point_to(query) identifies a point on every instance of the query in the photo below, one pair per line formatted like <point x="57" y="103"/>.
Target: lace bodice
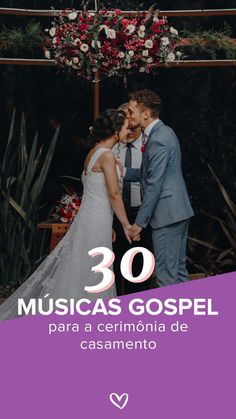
<point x="94" y="182"/>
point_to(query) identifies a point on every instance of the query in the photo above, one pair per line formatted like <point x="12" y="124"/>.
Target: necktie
<point x="127" y="185"/>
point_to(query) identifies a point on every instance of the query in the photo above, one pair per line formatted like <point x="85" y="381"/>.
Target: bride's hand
<point x="127" y="231"/>
<point x="136" y="238"/>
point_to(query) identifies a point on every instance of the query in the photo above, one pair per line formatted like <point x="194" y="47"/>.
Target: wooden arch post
<point x="96" y="94"/>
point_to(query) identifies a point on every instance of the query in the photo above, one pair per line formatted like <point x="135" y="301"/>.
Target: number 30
<point x="125" y="267"/>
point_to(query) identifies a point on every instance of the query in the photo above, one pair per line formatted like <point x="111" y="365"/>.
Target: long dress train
<point x="67" y="269"/>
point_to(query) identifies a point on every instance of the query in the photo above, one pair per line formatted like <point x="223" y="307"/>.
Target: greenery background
<point x="198" y="103"/>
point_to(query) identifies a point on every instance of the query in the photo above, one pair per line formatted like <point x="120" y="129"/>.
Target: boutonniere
<point x="144" y="143"/>
<point x="143" y="148"/>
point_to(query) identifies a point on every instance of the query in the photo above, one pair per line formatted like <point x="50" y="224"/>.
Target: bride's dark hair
<point x="107" y="124"/>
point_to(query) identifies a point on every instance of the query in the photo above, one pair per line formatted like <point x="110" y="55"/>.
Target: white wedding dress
<point x="67" y="269"/>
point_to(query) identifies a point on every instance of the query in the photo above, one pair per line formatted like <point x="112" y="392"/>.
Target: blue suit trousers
<point x="169" y="245"/>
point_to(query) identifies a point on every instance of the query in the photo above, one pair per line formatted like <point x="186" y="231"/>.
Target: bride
<point x="67" y="269"/>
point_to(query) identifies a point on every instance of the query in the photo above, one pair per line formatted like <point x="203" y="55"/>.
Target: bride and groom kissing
<point x="165" y="206"/>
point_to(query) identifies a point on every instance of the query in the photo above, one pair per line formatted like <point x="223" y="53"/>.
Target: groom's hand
<point x="135" y="232"/>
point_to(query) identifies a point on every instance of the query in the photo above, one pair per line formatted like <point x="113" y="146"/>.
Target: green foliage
<point x="210" y="44"/>
<point x="28" y="41"/>
<point x="17" y="41"/>
<point x="228" y="226"/>
<point x="22" y="176"/>
<point x="217" y="259"/>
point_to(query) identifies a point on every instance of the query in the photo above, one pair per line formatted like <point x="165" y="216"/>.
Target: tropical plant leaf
<point x="229" y="202"/>
<point x="204" y="243"/>
<point x="21" y="245"/>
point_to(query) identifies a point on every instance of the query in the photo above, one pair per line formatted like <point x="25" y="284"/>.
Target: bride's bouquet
<point x="66" y="208"/>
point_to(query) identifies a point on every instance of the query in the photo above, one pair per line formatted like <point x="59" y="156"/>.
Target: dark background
<point x="198" y="103"/>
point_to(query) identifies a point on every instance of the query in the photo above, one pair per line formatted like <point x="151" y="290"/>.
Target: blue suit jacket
<point x="165" y="199"/>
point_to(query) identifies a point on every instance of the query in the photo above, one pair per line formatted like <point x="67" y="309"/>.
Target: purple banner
<point x="165" y="353"/>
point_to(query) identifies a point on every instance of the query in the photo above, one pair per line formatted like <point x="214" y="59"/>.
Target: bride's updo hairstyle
<point x="106" y="125"/>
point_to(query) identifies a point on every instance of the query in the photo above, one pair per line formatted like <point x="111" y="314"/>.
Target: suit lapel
<point x="157" y="125"/>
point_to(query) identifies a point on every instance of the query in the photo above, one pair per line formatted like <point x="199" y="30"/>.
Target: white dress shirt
<point x="136" y="156"/>
<point x="150" y="127"/>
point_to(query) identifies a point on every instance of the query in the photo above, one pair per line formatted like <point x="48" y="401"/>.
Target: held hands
<point x="132" y="233"/>
<point x="127" y="230"/>
<point x="135" y="232"/>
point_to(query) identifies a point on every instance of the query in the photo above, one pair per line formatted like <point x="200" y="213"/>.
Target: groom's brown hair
<point x="148" y="99"/>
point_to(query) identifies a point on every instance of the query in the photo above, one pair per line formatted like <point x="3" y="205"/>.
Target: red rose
<point x="62" y="212"/>
<point x="83" y="27"/>
<point x="69" y="215"/>
<point x="125" y="22"/>
<point x="156" y="26"/>
<point x="118" y="12"/>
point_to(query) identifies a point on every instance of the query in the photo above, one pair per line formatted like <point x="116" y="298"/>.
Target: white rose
<point x="165" y="41"/>
<point x="145" y="53"/>
<point x="121" y="54"/>
<point x="150" y="60"/>
<point x="131" y="53"/>
<point x="84" y="47"/>
<point x="72" y="16"/>
<point x="173" y="31"/>
<point x="96" y="43"/>
<point x="54" y="41"/>
<point x="170" y="57"/>
<point x="105" y="27"/>
<point x="142" y="28"/>
<point x="91" y="14"/>
<point x="155" y="19"/>
<point x="128" y="66"/>
<point x="47" y="55"/>
<point x="142" y="70"/>
<point x="69" y="63"/>
<point x="111" y="34"/>
<point x="131" y="28"/>
<point x="52" y="31"/>
<point x="141" y="34"/>
<point x="77" y="40"/>
<point x="75" y="60"/>
<point x="179" y="54"/>
<point x="149" y="43"/>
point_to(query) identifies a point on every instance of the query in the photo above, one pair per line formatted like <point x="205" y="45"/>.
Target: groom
<point x="165" y="202"/>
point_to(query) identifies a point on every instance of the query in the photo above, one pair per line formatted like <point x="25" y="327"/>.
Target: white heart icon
<point x="119" y="401"/>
